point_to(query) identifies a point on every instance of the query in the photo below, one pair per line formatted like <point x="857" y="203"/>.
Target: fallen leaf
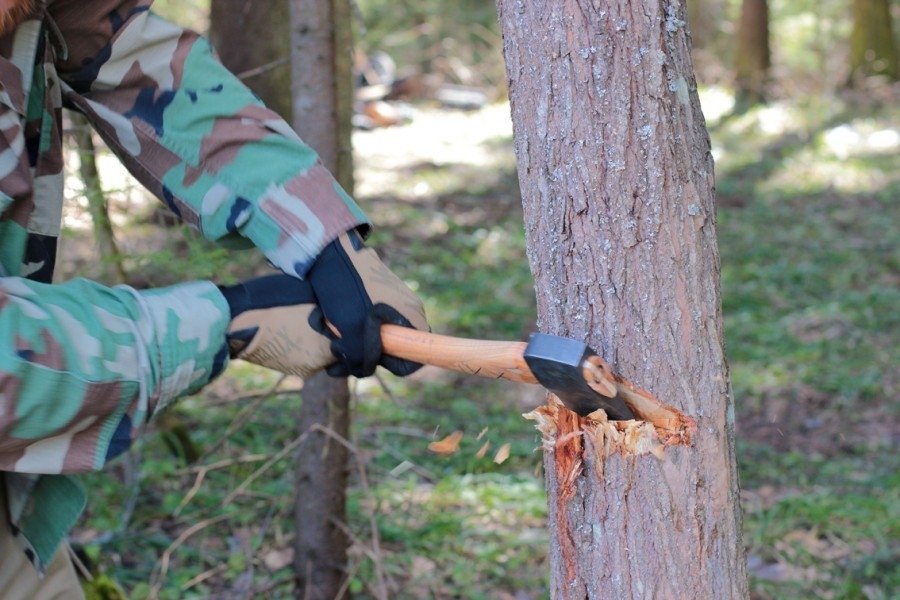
<point x="502" y="454"/>
<point x="448" y="445"/>
<point x="481" y="435"/>
<point x="483" y="450"/>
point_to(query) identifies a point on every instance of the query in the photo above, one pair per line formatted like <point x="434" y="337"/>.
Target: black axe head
<point x="557" y="363"/>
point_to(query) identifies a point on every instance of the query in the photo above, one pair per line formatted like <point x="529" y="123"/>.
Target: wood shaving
<point x="502" y="454"/>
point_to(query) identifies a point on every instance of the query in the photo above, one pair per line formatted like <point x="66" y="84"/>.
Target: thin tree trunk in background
<point x="753" y="57"/>
<point x="708" y="44"/>
<point x="252" y="39"/>
<point x="617" y="185"/>
<point x="93" y="191"/>
<point x="286" y="48"/>
<point x="873" y="50"/>
<point x="703" y="20"/>
<point x="321" y="75"/>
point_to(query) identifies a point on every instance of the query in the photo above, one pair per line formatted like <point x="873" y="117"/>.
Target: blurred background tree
<point x="752" y="57"/>
<point x="873" y="48"/>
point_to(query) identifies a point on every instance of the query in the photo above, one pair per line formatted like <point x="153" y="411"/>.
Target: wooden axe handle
<point x="485" y="358"/>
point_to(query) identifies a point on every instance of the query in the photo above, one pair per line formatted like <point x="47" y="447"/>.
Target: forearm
<point x="192" y="133"/>
<point x="83" y="366"/>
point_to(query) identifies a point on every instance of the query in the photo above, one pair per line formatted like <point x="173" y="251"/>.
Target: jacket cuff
<point x="292" y="228"/>
<point x="189" y="322"/>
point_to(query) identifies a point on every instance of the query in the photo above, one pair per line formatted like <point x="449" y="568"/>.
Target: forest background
<point x="807" y="151"/>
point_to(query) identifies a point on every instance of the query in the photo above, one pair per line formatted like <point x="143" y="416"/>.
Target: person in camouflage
<point x="83" y="366"/>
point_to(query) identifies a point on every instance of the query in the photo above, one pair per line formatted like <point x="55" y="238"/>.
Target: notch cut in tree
<point x="617" y="185"/>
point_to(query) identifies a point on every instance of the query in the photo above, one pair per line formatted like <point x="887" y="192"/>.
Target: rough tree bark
<point x="617" y="184"/>
<point x="752" y="59"/>
<point x="321" y="75"/>
<point x="873" y="50"/>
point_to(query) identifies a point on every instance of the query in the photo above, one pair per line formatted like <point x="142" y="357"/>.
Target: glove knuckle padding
<point x="285" y="342"/>
<point x="384" y="287"/>
<point x="271" y="325"/>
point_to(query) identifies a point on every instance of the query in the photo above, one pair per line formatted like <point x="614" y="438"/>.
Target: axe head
<point x="557" y="363"/>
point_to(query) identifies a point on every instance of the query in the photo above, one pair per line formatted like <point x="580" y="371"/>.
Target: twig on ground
<point x="349" y="575"/>
<point x="132" y="481"/>
<point x="213" y="400"/>
<point x="387" y="390"/>
<point x="201" y="577"/>
<point x="250" y="552"/>
<point x="265" y="467"/>
<point x="79" y="564"/>
<point x="201" y="472"/>
<point x="247" y="412"/>
<point x="132" y="465"/>
<point x="418" y="470"/>
<point x="163" y="562"/>
<point x="353" y="537"/>
<point x="271" y="585"/>
<point x="407" y="431"/>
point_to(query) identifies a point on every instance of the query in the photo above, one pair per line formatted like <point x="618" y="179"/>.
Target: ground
<point x="808" y="202"/>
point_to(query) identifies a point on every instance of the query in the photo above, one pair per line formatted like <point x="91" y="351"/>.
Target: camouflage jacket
<point x="83" y="366"/>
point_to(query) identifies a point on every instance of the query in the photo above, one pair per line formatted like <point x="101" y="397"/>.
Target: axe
<point x="570" y="369"/>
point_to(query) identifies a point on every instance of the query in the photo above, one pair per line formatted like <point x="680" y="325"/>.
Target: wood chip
<point x="448" y="445"/>
<point x="483" y="450"/>
<point x="502" y="454"/>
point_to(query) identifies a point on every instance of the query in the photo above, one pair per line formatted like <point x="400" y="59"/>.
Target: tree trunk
<point x="617" y="185"/>
<point x="873" y="50"/>
<point x="284" y="48"/>
<point x="252" y="39"/>
<point x="323" y="81"/>
<point x="703" y="20"/>
<point x="93" y="191"/>
<point x="320" y="546"/>
<point x="753" y="58"/>
<point x="321" y="75"/>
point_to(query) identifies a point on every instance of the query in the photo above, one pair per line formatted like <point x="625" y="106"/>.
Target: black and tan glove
<point x="357" y="293"/>
<point x="270" y="325"/>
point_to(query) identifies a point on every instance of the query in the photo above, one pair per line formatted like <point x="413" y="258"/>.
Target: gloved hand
<point x="357" y="293"/>
<point x="270" y="325"/>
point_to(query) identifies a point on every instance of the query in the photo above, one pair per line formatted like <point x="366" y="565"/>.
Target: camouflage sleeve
<point x="195" y="135"/>
<point x="83" y="366"/>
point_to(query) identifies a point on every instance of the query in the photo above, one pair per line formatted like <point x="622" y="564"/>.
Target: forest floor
<point x="808" y="206"/>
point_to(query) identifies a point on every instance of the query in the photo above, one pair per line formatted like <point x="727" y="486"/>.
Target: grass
<point x="809" y="271"/>
<point x="809" y="278"/>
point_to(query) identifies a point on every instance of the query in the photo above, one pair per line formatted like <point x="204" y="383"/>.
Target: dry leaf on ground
<point x="502" y="454"/>
<point x="278" y="558"/>
<point x="448" y="445"/>
<point x="483" y="450"/>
